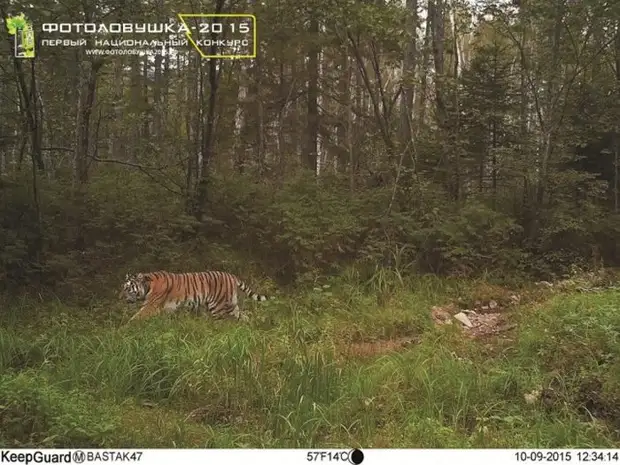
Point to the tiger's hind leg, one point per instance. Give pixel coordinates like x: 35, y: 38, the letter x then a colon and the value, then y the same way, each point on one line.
x: 242, y: 316
x: 236, y: 312
x: 227, y: 308
x: 224, y: 311
x: 239, y: 315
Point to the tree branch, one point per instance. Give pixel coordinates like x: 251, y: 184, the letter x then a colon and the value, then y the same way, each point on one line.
x: 140, y: 168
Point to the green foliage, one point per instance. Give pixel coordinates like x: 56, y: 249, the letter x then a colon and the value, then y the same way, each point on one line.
x: 18, y: 228
x: 123, y: 220
x: 475, y: 239
x: 574, y: 232
x: 36, y: 413
x: 587, y: 328
x: 578, y: 336
x: 304, y: 226
x: 300, y: 230
x: 17, y: 353
x: 309, y: 226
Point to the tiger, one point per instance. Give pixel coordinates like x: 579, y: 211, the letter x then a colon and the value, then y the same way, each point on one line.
x: 165, y: 291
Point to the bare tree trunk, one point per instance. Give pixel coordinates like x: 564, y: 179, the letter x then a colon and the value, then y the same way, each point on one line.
x: 617, y: 128
x: 455, y: 130
x: 455, y: 43
x: 436, y: 14
x: 297, y: 75
x: 523, y: 121
x: 29, y: 105
x: 343, y: 129
x: 409, y: 65
x: 312, y: 134
x: 206, y: 145
x: 258, y: 115
x: 239, y: 124
x: 426, y: 62
x: 616, y: 157
x: 281, y: 140
x: 322, y: 159
x: 548, y: 125
x: 165, y: 82
x: 350, y: 127
x: 117, y: 135
x: 146, y: 114
x: 157, y: 96
x: 135, y: 102
x: 86, y: 95
x: 192, y: 121
x: 37, y: 123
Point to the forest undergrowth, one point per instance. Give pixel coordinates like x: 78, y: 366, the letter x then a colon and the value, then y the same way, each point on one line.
x: 303, y: 373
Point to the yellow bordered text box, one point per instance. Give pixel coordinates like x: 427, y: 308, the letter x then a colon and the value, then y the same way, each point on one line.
x: 219, y: 15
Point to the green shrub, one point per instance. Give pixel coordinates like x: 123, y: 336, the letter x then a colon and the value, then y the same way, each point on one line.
x: 35, y: 413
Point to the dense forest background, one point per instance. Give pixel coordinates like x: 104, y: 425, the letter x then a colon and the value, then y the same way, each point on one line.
x: 411, y: 180
x: 443, y: 136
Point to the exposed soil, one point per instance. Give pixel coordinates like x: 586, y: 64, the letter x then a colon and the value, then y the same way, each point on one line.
x: 486, y: 324
x: 483, y: 318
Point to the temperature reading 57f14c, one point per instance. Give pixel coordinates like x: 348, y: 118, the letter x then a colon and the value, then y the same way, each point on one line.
x: 355, y: 456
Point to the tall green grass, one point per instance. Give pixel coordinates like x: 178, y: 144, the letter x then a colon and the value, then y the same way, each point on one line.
x: 291, y: 376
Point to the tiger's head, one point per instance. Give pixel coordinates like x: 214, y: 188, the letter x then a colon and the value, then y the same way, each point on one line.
x: 135, y: 288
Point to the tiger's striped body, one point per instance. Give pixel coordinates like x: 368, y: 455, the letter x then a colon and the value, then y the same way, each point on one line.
x: 164, y: 291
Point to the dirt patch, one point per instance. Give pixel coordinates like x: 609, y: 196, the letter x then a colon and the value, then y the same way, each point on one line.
x: 486, y: 324
x: 484, y: 317
x: 374, y: 348
x: 487, y: 317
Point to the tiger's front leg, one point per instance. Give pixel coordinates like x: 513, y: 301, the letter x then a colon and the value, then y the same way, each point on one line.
x: 147, y: 311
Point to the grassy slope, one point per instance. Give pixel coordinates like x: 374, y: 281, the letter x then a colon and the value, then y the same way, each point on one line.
x: 310, y: 370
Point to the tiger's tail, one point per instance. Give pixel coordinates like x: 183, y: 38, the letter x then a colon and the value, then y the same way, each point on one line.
x: 251, y: 294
